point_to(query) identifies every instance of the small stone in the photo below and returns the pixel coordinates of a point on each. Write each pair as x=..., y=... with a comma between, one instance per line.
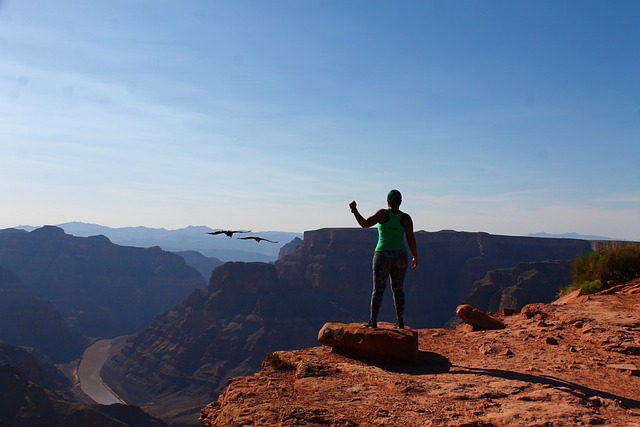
x=595, y=401
x=593, y=421
x=629, y=368
x=486, y=349
x=465, y=327
x=507, y=312
x=631, y=349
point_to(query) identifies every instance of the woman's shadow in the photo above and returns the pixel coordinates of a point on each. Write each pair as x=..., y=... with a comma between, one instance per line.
x=429, y=363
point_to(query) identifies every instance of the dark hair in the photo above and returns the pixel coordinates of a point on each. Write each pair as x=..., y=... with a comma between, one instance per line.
x=394, y=197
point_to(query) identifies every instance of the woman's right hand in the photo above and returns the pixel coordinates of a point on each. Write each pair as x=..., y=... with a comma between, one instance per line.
x=352, y=205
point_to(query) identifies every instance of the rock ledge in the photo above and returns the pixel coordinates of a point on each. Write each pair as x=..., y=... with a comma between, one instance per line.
x=385, y=341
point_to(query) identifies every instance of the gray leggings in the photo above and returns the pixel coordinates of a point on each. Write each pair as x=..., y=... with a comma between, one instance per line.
x=385, y=264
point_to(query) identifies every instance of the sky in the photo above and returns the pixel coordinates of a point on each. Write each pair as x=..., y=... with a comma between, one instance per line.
x=508, y=117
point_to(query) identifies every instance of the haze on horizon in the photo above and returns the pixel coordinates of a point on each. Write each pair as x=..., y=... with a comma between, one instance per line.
x=509, y=117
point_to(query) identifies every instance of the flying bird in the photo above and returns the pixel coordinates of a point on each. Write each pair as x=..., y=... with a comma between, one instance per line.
x=256, y=238
x=228, y=232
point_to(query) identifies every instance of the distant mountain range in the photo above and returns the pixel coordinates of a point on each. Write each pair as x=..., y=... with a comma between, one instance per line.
x=192, y=238
x=195, y=238
x=571, y=236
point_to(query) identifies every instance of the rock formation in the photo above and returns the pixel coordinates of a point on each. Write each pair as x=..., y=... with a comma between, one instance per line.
x=477, y=319
x=253, y=309
x=35, y=368
x=565, y=364
x=289, y=248
x=26, y=320
x=204, y=265
x=33, y=392
x=101, y=289
x=337, y=263
x=383, y=342
x=518, y=286
x=215, y=334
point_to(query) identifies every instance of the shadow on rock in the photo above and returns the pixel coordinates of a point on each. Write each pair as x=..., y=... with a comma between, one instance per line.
x=427, y=363
x=576, y=390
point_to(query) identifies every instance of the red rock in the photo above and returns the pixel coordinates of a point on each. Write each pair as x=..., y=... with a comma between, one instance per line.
x=384, y=341
x=504, y=312
x=493, y=378
x=629, y=368
x=574, y=297
x=477, y=318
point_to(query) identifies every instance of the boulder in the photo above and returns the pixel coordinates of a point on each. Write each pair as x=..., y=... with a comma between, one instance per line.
x=574, y=297
x=477, y=319
x=385, y=341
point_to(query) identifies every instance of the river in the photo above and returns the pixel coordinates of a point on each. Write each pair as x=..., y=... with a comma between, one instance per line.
x=89, y=373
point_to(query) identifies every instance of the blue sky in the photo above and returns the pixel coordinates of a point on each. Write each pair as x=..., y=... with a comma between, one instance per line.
x=509, y=117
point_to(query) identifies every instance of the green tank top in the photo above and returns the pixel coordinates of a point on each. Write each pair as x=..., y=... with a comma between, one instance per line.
x=391, y=234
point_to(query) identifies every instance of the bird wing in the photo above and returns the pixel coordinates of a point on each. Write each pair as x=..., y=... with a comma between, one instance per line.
x=256, y=238
x=228, y=232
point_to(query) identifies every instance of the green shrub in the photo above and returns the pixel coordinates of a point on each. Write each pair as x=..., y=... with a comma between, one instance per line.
x=585, y=267
x=592, y=272
x=621, y=264
x=591, y=287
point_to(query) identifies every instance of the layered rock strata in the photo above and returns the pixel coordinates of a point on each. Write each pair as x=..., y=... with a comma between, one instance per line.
x=101, y=289
x=252, y=309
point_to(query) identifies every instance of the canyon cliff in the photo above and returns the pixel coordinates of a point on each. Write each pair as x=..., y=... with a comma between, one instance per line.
x=33, y=392
x=336, y=264
x=515, y=287
x=249, y=310
x=575, y=362
x=101, y=289
x=26, y=320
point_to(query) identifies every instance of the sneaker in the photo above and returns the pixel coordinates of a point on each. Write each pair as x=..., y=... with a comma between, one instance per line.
x=371, y=324
x=399, y=325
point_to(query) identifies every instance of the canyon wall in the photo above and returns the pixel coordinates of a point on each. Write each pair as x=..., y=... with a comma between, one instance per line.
x=251, y=309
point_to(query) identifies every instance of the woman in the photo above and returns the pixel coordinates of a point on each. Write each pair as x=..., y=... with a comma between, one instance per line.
x=390, y=258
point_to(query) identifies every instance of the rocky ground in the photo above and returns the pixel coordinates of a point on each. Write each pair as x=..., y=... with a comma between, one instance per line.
x=572, y=363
